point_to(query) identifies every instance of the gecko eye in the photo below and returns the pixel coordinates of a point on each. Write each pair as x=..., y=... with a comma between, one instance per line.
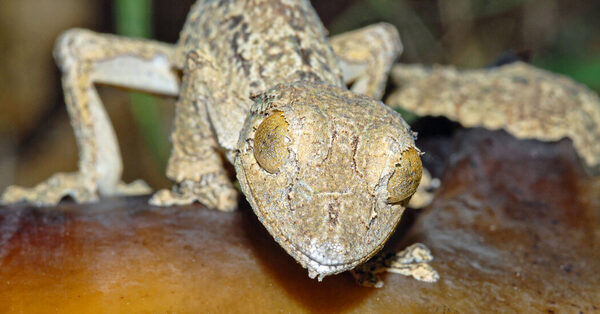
x=270, y=147
x=406, y=177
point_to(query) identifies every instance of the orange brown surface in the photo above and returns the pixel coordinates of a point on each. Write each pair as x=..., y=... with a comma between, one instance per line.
x=513, y=228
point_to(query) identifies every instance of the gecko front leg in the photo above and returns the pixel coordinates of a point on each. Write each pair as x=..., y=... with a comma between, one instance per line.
x=366, y=56
x=412, y=261
x=86, y=58
x=195, y=163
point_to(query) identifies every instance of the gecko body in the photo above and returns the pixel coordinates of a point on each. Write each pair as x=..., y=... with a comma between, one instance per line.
x=327, y=170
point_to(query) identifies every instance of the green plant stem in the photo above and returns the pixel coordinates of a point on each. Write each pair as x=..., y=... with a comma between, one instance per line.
x=133, y=19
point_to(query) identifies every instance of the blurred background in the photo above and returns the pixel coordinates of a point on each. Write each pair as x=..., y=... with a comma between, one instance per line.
x=36, y=139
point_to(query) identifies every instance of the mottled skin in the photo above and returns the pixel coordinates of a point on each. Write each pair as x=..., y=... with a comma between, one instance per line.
x=321, y=185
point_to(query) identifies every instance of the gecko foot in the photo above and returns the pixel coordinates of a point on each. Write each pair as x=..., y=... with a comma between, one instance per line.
x=412, y=261
x=216, y=193
x=51, y=191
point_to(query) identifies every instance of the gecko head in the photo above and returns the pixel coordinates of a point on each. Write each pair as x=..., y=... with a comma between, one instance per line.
x=327, y=172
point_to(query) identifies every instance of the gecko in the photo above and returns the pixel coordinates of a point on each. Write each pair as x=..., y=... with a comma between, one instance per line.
x=327, y=168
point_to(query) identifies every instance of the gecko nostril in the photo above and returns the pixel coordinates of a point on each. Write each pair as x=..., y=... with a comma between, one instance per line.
x=333, y=212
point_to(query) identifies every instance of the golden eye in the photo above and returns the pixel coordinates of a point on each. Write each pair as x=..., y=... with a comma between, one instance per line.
x=406, y=178
x=270, y=148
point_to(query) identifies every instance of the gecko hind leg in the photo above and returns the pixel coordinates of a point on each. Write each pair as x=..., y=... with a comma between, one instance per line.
x=195, y=163
x=86, y=58
x=366, y=56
